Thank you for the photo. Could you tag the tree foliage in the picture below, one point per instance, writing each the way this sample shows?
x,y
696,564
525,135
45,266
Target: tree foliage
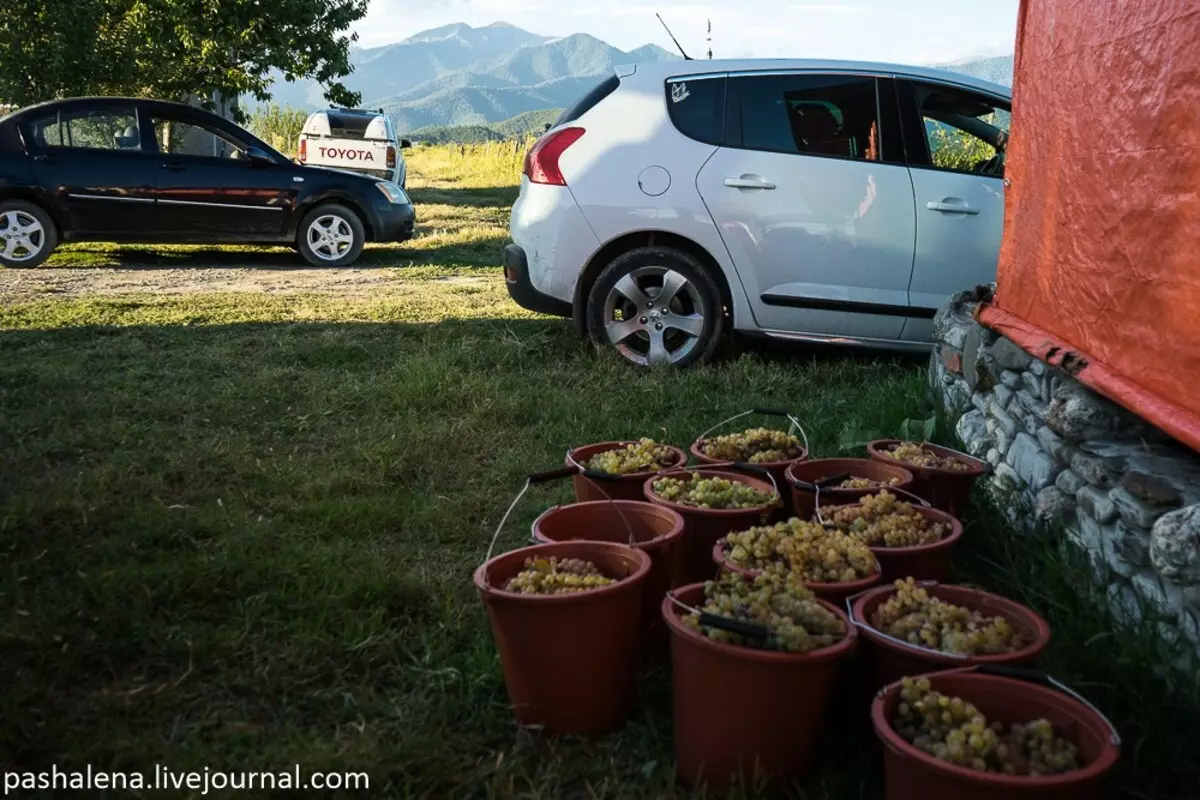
x,y
278,126
173,49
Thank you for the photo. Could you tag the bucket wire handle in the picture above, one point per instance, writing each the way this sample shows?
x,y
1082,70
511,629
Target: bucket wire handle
x,y
770,412
906,645
905,492
544,477
1044,679
723,623
743,465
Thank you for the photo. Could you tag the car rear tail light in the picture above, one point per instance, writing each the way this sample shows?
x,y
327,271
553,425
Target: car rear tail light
x,y
541,164
391,157
302,155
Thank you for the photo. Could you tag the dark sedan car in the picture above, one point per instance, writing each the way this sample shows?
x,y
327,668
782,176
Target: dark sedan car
x,y
122,170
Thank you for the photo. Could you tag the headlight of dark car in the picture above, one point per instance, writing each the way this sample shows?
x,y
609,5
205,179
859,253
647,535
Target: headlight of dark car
x,y
393,192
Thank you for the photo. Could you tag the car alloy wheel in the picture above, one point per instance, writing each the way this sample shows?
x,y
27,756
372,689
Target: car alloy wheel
x,y
330,237
22,237
653,316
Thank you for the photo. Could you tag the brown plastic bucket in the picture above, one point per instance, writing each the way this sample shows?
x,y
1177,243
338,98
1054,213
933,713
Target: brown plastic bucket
x,y
704,526
804,478
778,470
570,661
836,593
616,487
911,774
947,490
740,710
925,562
655,529
891,659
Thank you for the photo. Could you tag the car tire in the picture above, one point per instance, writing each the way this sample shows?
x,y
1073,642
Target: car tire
x,y
330,236
624,311
27,235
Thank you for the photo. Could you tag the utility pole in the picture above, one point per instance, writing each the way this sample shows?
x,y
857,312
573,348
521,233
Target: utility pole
x,y
710,40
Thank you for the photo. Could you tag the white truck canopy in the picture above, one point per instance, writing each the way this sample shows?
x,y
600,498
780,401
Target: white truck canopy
x,y
347,124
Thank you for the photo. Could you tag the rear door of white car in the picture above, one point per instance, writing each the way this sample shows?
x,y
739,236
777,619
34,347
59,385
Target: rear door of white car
x,y
814,202
958,180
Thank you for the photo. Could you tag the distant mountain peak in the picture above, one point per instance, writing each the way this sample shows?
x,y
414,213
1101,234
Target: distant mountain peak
x,y
433,34
459,74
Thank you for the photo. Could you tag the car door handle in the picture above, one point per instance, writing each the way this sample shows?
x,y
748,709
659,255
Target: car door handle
x,y
173,166
748,182
951,208
46,158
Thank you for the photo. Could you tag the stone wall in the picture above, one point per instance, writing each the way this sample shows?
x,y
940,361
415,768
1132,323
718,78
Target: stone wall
x,y
1066,459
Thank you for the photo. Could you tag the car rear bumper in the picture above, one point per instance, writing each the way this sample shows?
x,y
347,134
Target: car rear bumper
x,y
522,291
394,223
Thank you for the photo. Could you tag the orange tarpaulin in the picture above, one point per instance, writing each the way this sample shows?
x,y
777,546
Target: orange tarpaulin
x,y
1101,252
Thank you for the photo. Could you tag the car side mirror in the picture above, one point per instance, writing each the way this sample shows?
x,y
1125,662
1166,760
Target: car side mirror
x,y
259,157
405,144
547,127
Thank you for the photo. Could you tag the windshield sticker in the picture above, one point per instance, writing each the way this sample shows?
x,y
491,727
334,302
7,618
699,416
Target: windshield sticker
x,y
679,93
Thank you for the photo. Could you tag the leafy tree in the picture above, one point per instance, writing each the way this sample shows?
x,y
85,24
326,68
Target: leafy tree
x,y
173,49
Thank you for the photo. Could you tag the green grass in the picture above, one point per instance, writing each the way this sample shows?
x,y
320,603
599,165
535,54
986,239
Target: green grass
x,y
238,529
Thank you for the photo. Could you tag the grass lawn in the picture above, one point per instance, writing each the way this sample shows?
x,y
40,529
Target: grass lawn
x,y
238,529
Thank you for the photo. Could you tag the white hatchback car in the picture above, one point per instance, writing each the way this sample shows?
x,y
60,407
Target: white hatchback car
x,y
808,200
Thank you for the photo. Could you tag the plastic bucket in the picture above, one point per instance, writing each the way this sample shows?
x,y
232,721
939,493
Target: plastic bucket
x,y
656,531
740,710
778,470
891,659
924,562
836,593
911,774
618,487
803,477
704,526
947,490
570,661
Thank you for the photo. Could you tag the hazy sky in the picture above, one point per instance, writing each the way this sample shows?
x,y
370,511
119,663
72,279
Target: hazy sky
x,y
913,31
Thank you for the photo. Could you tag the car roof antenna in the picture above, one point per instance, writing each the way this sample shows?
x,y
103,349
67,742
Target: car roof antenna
x,y
686,57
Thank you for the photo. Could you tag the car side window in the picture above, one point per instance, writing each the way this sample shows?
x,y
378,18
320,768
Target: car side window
x,y
821,115
180,137
964,132
87,129
697,108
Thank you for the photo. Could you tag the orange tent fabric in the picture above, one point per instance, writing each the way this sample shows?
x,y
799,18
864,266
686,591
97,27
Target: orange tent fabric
x,y
1101,253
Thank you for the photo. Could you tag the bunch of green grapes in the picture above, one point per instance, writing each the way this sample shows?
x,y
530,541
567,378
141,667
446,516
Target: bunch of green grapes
x,y
753,446
913,616
644,455
881,520
557,576
951,729
917,455
776,600
705,492
866,483
815,553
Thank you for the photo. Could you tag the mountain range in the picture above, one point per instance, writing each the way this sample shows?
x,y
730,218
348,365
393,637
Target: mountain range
x,y
459,75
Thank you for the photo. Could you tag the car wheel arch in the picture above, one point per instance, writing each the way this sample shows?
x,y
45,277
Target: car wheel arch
x,y
336,200
32,198
632,241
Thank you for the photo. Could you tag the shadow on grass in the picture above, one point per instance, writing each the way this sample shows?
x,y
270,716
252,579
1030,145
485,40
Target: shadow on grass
x,y
484,197
316,495
481,251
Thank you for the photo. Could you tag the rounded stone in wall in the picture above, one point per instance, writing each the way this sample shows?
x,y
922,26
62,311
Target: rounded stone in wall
x,y
1175,546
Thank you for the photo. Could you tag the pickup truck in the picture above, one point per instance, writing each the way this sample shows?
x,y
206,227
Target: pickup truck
x,y
356,141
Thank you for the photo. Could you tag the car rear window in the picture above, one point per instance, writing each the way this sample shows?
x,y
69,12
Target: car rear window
x,y
354,125
589,100
697,107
